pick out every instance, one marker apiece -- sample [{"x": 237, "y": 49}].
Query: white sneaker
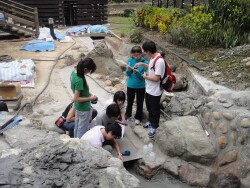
[{"x": 137, "y": 122}]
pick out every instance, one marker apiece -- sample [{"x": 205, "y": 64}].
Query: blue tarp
[
  {"x": 38, "y": 45},
  {"x": 15, "y": 121},
  {"x": 59, "y": 36},
  {"x": 77, "y": 29},
  {"x": 98, "y": 29},
  {"x": 1, "y": 16}
]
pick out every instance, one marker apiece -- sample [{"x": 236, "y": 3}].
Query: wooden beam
[
  {"x": 21, "y": 28},
  {"x": 19, "y": 4},
  {"x": 20, "y": 20}
]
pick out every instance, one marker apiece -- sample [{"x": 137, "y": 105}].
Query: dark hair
[
  {"x": 115, "y": 128},
  {"x": 119, "y": 95},
  {"x": 162, "y": 54},
  {"x": 136, "y": 49},
  {"x": 3, "y": 106},
  {"x": 113, "y": 110},
  {"x": 149, "y": 46},
  {"x": 87, "y": 63}
]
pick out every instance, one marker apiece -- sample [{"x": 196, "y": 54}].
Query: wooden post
[
  {"x": 36, "y": 22},
  {"x": 182, "y": 3},
  {"x": 174, "y": 3},
  {"x": 167, "y": 3},
  {"x": 192, "y": 3}
]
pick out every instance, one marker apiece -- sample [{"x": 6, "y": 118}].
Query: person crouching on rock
[
  {"x": 69, "y": 116},
  {"x": 119, "y": 99},
  {"x": 82, "y": 97},
  {"x": 99, "y": 134},
  {"x": 109, "y": 115}
]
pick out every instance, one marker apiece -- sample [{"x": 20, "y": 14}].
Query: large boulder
[
  {"x": 185, "y": 138},
  {"x": 53, "y": 160},
  {"x": 184, "y": 104},
  {"x": 104, "y": 59}
]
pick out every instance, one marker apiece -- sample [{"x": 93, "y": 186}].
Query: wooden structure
[
  {"x": 70, "y": 12},
  {"x": 173, "y": 3},
  {"x": 18, "y": 18}
]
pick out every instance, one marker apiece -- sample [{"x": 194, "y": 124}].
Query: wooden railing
[{"x": 20, "y": 16}]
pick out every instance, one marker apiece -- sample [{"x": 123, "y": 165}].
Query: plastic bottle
[
  {"x": 145, "y": 149},
  {"x": 152, "y": 157},
  {"x": 150, "y": 147}
]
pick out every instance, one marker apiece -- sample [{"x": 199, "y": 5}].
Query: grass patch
[{"x": 120, "y": 25}]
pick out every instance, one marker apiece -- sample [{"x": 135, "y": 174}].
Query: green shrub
[
  {"x": 122, "y": 34},
  {"x": 144, "y": 12},
  {"x": 193, "y": 29},
  {"x": 231, "y": 19},
  {"x": 158, "y": 18},
  {"x": 128, "y": 12},
  {"x": 135, "y": 36}
]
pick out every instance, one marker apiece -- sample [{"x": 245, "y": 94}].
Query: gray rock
[
  {"x": 196, "y": 176},
  {"x": 89, "y": 167},
  {"x": 185, "y": 138},
  {"x": 181, "y": 82},
  {"x": 49, "y": 124},
  {"x": 229, "y": 157},
  {"x": 224, "y": 180},
  {"x": 215, "y": 74},
  {"x": 227, "y": 105}
]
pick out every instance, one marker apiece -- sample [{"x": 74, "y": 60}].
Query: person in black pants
[
  {"x": 69, "y": 116},
  {"x": 155, "y": 72},
  {"x": 135, "y": 83}
]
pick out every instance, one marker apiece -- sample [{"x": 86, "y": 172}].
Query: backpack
[{"x": 169, "y": 79}]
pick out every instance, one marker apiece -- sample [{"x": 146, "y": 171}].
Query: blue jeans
[
  {"x": 69, "y": 126},
  {"x": 81, "y": 123}
]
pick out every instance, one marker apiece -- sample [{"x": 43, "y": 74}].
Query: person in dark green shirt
[{"x": 82, "y": 96}]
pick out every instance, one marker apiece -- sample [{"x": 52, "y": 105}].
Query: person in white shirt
[
  {"x": 98, "y": 134},
  {"x": 153, "y": 90}
]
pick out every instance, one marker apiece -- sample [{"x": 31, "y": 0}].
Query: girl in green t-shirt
[{"x": 82, "y": 97}]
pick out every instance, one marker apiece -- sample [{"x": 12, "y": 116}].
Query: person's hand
[
  {"x": 120, "y": 156},
  {"x": 121, "y": 122},
  {"x": 92, "y": 97},
  {"x": 135, "y": 70},
  {"x": 128, "y": 68},
  {"x": 137, "y": 65},
  {"x": 144, "y": 75}
]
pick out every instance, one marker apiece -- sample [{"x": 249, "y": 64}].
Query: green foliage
[
  {"x": 120, "y": 25},
  {"x": 122, "y": 34},
  {"x": 134, "y": 19},
  {"x": 231, "y": 20},
  {"x": 143, "y": 14},
  {"x": 222, "y": 22},
  {"x": 128, "y": 12},
  {"x": 158, "y": 18},
  {"x": 193, "y": 29},
  {"x": 135, "y": 36}
]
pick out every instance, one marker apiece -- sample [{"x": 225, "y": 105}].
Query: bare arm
[
  {"x": 141, "y": 64},
  {"x": 77, "y": 97},
  {"x": 117, "y": 149},
  {"x": 71, "y": 115},
  {"x": 123, "y": 116},
  {"x": 154, "y": 78}
]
